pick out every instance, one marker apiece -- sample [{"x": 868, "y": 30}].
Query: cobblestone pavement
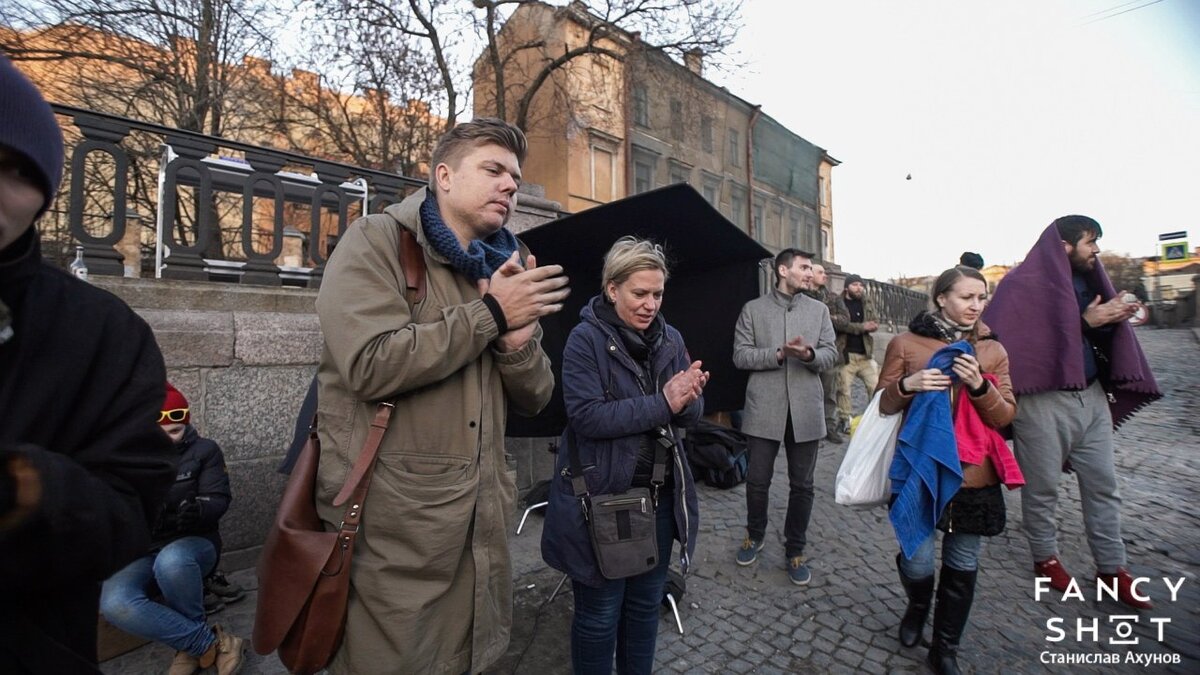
[{"x": 752, "y": 619}]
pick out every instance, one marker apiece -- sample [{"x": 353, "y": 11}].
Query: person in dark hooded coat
[{"x": 83, "y": 466}]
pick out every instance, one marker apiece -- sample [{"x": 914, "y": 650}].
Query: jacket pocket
[{"x": 421, "y": 509}]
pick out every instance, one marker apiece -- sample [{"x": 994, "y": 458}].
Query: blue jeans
[
  {"x": 959, "y": 552},
  {"x": 178, "y": 570},
  {"x": 622, "y": 614}
]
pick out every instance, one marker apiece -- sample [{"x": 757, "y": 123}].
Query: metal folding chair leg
[
  {"x": 557, "y": 589},
  {"x": 675, "y": 611},
  {"x": 527, "y": 511}
]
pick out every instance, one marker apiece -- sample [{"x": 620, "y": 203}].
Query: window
[
  {"x": 759, "y": 233},
  {"x": 706, "y": 134},
  {"x": 679, "y": 174},
  {"x": 737, "y": 207},
  {"x": 735, "y": 148},
  {"x": 711, "y": 189},
  {"x": 821, "y": 198},
  {"x": 641, "y": 106},
  {"x": 643, "y": 177},
  {"x": 825, "y": 249},
  {"x": 676, "y": 120},
  {"x": 602, "y": 174},
  {"x": 795, "y": 231}
]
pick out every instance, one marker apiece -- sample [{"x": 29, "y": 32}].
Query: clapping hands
[{"x": 685, "y": 387}]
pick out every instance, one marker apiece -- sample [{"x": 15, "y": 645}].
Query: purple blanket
[{"x": 1035, "y": 316}]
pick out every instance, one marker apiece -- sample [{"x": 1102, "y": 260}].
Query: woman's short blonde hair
[{"x": 628, "y": 255}]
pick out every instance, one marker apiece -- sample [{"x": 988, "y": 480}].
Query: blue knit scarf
[{"x": 482, "y": 257}]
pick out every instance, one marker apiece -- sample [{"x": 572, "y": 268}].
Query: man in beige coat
[{"x": 431, "y": 587}]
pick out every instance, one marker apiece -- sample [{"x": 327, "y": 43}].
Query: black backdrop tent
[{"x": 713, "y": 272}]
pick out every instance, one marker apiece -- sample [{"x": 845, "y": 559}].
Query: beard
[{"x": 1082, "y": 263}]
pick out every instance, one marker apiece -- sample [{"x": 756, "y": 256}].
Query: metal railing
[
  {"x": 896, "y": 305},
  {"x": 207, "y": 194}
]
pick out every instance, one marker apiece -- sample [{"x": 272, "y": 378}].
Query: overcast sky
[{"x": 1006, "y": 114}]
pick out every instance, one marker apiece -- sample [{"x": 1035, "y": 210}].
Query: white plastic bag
[{"x": 862, "y": 480}]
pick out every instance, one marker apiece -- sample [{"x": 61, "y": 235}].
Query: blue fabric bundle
[{"x": 926, "y": 472}]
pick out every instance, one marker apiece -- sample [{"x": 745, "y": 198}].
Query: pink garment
[{"x": 977, "y": 440}]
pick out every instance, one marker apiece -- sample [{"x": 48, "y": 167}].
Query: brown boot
[
  {"x": 184, "y": 664},
  {"x": 225, "y": 652}
]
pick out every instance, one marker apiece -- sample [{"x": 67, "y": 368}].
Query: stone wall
[{"x": 243, "y": 357}]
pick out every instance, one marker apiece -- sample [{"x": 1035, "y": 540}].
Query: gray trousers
[{"x": 1054, "y": 428}]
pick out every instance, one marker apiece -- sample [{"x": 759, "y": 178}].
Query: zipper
[
  {"x": 950, "y": 518},
  {"x": 683, "y": 533},
  {"x": 628, "y": 501}
]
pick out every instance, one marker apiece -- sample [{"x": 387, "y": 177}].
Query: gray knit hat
[{"x": 27, "y": 125}]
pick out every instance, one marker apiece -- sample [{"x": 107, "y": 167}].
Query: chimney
[{"x": 694, "y": 60}]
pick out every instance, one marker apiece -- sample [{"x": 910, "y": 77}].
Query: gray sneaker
[
  {"x": 218, "y": 585},
  {"x": 213, "y": 603},
  {"x": 748, "y": 553},
  {"x": 798, "y": 571}
]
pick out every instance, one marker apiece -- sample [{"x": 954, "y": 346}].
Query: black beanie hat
[
  {"x": 27, "y": 125},
  {"x": 852, "y": 279}
]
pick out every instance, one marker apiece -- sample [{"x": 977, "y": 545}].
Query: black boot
[
  {"x": 955, "y": 593},
  {"x": 920, "y": 596}
]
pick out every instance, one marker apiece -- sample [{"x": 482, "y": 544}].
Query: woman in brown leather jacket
[{"x": 959, "y": 296}]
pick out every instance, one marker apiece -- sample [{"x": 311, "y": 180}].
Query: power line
[
  {"x": 1109, "y": 16},
  {"x": 1106, "y": 11}
]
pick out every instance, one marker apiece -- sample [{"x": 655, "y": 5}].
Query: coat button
[
  {"x": 472, "y": 424},
  {"x": 612, "y": 348}
]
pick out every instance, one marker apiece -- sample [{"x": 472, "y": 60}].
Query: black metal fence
[
  {"x": 896, "y": 305},
  {"x": 144, "y": 199}
]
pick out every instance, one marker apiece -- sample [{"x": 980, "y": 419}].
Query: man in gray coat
[{"x": 785, "y": 339}]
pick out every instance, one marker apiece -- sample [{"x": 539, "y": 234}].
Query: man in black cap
[
  {"x": 83, "y": 463},
  {"x": 855, "y": 342}
]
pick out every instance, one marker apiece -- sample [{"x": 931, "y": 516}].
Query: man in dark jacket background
[{"x": 83, "y": 466}]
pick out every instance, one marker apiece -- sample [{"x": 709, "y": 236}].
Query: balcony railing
[{"x": 222, "y": 210}]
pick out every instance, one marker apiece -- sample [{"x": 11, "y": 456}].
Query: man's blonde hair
[{"x": 628, "y": 255}]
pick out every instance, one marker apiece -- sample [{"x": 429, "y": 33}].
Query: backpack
[{"x": 718, "y": 454}]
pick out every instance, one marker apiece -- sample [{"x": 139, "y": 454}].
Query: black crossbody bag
[{"x": 621, "y": 525}]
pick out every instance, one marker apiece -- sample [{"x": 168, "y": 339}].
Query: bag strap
[
  {"x": 412, "y": 260},
  {"x": 360, "y": 475},
  {"x": 578, "y": 484},
  {"x": 662, "y": 442}
]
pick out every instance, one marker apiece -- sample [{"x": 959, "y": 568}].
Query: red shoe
[
  {"x": 1053, "y": 569},
  {"x": 1125, "y": 589}
]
